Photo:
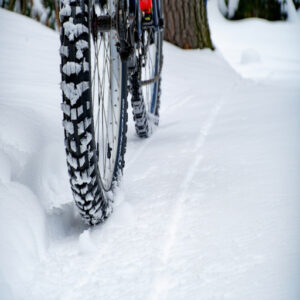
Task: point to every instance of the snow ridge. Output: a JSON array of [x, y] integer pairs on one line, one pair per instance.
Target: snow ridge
[[161, 283]]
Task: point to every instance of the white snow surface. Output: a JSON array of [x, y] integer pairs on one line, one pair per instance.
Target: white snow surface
[[208, 207]]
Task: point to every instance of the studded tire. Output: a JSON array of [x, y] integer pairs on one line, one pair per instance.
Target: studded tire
[[93, 201], [147, 116]]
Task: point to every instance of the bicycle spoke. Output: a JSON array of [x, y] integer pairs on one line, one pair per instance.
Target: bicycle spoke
[[106, 87]]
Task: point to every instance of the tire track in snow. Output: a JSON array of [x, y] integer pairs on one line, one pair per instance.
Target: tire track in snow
[[161, 283], [145, 144]]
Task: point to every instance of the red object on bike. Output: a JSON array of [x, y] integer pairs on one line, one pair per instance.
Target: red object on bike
[[146, 5]]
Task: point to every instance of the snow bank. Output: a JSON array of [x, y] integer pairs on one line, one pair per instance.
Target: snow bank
[[276, 43], [229, 7], [23, 236], [33, 175]]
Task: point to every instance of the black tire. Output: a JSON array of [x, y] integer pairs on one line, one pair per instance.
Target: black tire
[[93, 196], [145, 104]]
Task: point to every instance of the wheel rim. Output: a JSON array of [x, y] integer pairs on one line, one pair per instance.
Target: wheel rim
[[150, 70], [106, 96]]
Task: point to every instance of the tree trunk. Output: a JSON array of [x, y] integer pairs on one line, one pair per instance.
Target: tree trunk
[[186, 24]]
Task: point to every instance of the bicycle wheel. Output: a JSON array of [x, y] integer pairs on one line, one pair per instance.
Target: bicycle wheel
[[94, 86], [146, 82]]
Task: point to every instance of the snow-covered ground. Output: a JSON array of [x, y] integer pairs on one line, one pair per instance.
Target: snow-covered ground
[[209, 206]]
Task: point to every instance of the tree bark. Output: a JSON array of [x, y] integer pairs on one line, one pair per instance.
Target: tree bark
[[186, 24]]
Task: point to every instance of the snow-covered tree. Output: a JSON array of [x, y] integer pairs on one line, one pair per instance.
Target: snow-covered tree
[[267, 9], [297, 3], [52, 7], [45, 11], [186, 24]]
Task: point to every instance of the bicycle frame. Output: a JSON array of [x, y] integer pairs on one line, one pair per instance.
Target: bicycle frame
[[157, 13], [131, 9]]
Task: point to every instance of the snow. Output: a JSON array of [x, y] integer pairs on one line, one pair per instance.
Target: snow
[[85, 141], [229, 7], [73, 30], [72, 161], [291, 11], [73, 92], [69, 127], [66, 108], [250, 56], [222, 7], [78, 10], [71, 68], [232, 7], [86, 244], [66, 10], [208, 207], [64, 51], [80, 45], [277, 44]]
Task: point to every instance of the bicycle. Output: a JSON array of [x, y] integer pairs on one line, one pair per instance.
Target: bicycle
[[108, 47]]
